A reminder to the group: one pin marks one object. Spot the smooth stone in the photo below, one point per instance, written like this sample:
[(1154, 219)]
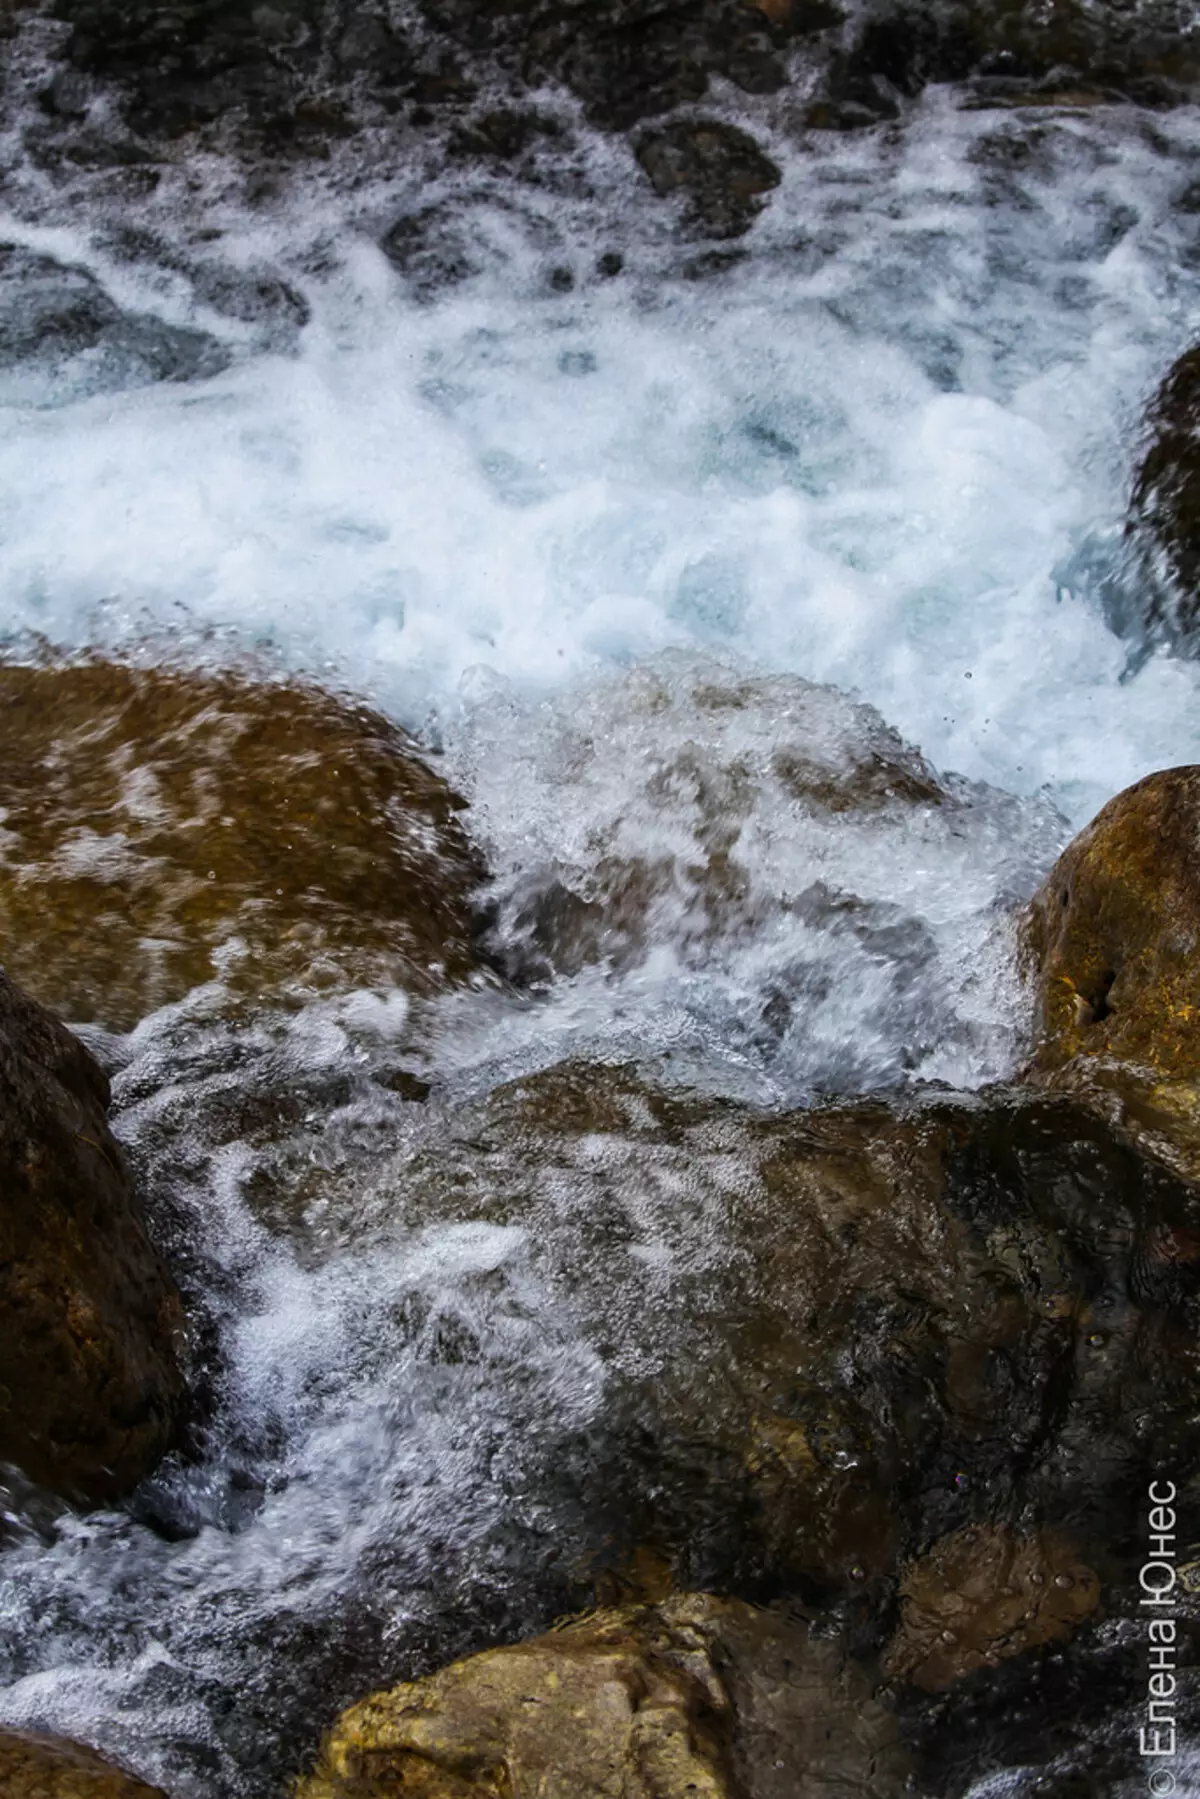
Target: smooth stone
[(165, 829), (91, 1389)]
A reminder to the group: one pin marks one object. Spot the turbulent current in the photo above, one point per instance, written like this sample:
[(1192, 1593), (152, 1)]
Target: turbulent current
[(600, 520)]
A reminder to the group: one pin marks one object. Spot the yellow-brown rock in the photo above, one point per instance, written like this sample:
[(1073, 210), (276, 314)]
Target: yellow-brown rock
[(697, 1697), (1115, 936), (43, 1767), (982, 1595), (161, 828)]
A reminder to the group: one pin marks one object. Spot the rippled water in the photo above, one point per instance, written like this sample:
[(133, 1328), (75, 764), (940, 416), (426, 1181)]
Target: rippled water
[(543, 528)]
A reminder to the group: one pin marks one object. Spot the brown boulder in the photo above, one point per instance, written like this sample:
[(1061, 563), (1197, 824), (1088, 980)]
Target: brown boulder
[(825, 1338), (163, 829), (42, 1767), (698, 1696), (90, 1384), (1114, 934)]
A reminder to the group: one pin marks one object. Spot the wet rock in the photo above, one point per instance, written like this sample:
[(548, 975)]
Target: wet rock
[(1164, 521), (982, 1595), (58, 318), (90, 1321), (1009, 51), (1114, 934), (720, 170), (254, 297), (696, 1696), (504, 133), (432, 249), (730, 818), (186, 63), (42, 1767), (165, 829), (202, 63), (827, 1338)]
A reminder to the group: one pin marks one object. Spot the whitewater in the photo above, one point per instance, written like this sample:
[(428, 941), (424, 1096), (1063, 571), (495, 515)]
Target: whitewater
[(535, 515)]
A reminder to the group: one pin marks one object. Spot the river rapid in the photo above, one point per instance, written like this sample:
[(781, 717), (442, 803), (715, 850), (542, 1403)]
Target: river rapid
[(540, 512)]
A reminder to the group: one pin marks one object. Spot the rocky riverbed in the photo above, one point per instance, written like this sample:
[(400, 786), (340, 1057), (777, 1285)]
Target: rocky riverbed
[(597, 897)]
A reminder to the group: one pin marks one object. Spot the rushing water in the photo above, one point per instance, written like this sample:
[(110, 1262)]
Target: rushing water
[(538, 521)]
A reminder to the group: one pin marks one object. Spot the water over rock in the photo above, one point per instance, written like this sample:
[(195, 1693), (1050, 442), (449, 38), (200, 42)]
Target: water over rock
[(774, 850), (697, 1696), (1164, 521), (720, 170), (90, 1320), (1010, 52), (1114, 934), (58, 320), (41, 1767), (165, 829), (298, 72), (825, 1339), (982, 1595)]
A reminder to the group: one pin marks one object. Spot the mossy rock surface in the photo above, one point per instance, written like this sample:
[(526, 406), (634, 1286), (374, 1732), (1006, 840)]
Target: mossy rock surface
[(698, 1698), (164, 829), (1114, 934), (90, 1320), (43, 1767)]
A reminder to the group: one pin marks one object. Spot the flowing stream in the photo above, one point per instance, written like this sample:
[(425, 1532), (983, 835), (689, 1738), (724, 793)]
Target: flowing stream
[(555, 502)]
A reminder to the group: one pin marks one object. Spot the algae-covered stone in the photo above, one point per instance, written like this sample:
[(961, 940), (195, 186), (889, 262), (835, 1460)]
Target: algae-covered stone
[(698, 1696), (42, 1767), (982, 1595), (1115, 937), (90, 1385), (162, 828)]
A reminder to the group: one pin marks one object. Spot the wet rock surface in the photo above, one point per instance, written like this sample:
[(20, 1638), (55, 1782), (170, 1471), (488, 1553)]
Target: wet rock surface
[(1113, 934), (455, 86), (624, 61), (39, 1767), (91, 1389), (752, 829), (828, 1337), (982, 1595), (59, 319), (720, 170), (695, 1696), (165, 830), (1164, 521)]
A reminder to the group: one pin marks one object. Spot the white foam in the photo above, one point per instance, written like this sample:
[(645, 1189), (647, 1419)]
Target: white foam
[(859, 458)]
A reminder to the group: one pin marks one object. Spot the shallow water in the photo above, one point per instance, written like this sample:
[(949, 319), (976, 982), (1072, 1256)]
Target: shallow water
[(542, 528)]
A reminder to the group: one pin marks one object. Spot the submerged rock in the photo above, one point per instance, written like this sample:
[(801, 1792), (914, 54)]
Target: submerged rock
[(719, 169), (982, 1595), (58, 318), (42, 1767), (697, 1696), (291, 69), (1114, 934), (1011, 52), (753, 834), (90, 1320), (1164, 518), (822, 1339), (165, 829)]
